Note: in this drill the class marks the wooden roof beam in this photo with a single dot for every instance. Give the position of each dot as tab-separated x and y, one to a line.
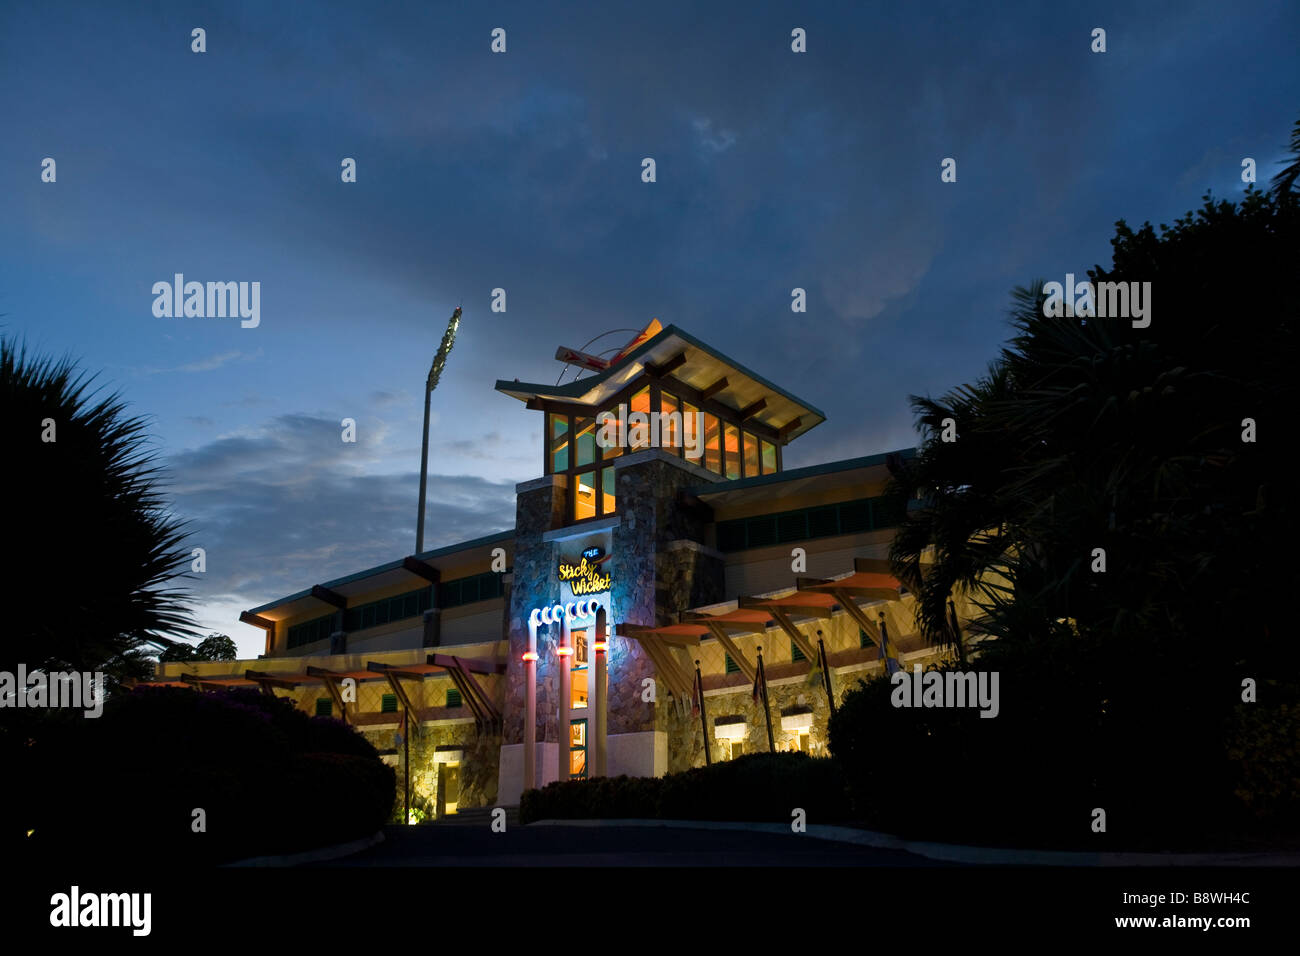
712	620
713	389
474	665
668	669
477	697
672	365
799	610
421	570
746	668
332	598
795	635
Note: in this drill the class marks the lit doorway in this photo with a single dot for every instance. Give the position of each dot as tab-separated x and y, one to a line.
448	788
578	672
578	749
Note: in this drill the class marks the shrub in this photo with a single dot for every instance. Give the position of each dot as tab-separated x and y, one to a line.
756	787
269	778
1079	728
1264	747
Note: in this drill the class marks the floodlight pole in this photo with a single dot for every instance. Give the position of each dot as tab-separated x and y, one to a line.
424	471
430	383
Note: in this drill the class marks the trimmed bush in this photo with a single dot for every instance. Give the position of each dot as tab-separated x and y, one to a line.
270	779
1264	747
1078	729
757	787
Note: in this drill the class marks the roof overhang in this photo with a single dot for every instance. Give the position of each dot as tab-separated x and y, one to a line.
438	562
702	367
812	480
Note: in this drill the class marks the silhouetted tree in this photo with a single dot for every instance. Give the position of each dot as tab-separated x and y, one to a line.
214	647
91	548
1167	448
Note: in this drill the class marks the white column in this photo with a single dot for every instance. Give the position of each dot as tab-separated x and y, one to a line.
597	696
530	707
565	662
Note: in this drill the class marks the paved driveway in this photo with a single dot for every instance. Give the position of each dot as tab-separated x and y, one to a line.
585	846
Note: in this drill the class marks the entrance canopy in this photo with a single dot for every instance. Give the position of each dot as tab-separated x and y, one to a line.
226	682
812	598
861	585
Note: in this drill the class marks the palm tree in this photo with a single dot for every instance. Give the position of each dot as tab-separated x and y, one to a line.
962	526
93	551
1285	180
1092	434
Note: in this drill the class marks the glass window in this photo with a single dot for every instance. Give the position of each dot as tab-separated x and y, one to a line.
751	455
578	683
712	444
578	748
584	495
670	423
640	403
584	434
733	451
692	432
608	500
558	432
769	458
612	431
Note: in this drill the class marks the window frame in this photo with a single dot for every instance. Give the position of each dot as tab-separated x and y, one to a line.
684	395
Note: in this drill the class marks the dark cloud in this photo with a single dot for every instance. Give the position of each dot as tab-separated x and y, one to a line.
523	171
292	506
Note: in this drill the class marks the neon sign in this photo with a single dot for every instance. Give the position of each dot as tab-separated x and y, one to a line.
586	577
560	613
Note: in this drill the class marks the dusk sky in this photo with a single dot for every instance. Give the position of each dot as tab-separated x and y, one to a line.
522	170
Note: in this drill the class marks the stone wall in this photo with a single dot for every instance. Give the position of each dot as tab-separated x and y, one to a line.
659	569
653	582
539	507
686	738
478	765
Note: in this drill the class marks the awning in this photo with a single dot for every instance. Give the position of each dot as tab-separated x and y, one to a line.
798	604
360	677
218	683
285	680
860	584
745	620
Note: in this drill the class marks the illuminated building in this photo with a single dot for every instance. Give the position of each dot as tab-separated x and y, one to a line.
580	627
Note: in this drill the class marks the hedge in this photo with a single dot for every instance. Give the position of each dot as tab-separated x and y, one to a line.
270	780
755	787
1076	733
